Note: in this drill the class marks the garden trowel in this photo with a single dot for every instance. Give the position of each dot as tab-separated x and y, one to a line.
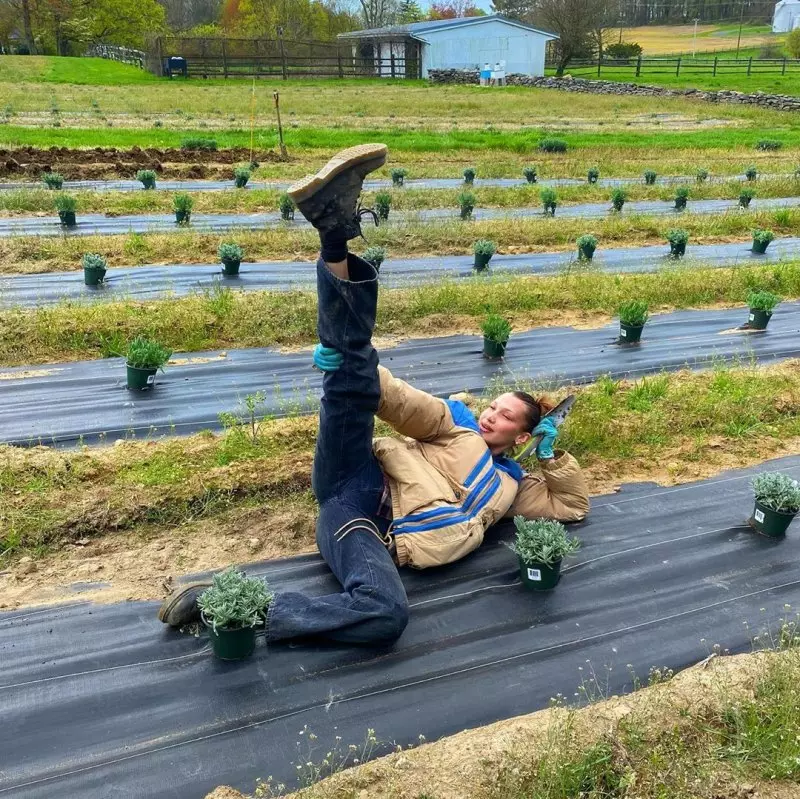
558	414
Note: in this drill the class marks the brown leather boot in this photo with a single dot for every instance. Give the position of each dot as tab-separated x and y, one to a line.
180	606
329	199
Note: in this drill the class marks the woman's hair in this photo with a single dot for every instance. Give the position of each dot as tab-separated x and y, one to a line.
534	408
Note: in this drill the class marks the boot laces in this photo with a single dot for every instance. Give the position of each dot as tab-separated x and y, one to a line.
361	212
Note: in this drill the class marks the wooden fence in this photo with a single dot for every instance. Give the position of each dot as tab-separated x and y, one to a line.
239	58
642	67
126	55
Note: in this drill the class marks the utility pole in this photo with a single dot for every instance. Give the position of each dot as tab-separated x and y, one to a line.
694	42
741	20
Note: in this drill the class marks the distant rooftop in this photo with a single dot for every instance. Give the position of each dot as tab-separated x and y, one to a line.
416	30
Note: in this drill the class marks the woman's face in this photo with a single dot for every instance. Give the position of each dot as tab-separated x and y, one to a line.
503	424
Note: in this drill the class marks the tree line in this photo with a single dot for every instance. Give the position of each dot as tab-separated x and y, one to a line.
68	27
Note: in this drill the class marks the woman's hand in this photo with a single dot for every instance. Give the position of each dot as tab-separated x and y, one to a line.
327	359
548	431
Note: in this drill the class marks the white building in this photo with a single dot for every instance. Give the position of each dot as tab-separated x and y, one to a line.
786	16
465	43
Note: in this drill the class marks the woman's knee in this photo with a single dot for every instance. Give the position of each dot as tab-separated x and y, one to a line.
389	618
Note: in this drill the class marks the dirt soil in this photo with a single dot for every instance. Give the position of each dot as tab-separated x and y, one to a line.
128	566
463	766
108	162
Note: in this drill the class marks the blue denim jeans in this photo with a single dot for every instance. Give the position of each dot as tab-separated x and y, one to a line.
347	481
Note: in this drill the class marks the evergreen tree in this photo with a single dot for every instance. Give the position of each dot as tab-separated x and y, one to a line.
409	11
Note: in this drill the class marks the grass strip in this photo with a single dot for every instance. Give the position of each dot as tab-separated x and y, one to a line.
222	318
111	203
31	254
779	125
670	427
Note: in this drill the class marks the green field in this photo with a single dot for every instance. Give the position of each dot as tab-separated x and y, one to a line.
116	105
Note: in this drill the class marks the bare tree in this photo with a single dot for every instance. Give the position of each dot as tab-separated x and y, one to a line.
378	13
574	21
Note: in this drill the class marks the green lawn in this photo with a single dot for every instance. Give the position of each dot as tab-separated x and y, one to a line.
80	71
419	141
698	73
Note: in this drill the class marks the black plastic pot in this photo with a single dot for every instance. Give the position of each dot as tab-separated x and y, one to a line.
182	217
93	277
680	205
67	218
482	261
398	181
531	178
630	334
678	249
140	379
758	320
228	643
149	184
241	182
493	349
772	523
466	213
760	246
539	576
230	267
586	252
550	210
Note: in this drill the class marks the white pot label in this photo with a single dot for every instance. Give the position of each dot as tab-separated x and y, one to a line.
623	332
535	575
752	317
151	379
759	515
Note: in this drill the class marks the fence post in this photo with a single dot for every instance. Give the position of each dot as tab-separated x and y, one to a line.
160	56
678	68
715	66
339	59
783	71
749	65
638	66
391	62
283	54
224	60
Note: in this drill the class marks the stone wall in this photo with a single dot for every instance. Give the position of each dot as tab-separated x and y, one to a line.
781	102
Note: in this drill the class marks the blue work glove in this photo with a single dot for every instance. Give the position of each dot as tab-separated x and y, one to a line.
548	431
327	359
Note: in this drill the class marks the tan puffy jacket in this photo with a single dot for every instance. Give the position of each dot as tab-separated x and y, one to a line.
446	490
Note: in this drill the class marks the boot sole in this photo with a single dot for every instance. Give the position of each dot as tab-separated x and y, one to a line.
361	153
166	608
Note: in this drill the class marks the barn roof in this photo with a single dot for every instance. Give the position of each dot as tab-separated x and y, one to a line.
417	30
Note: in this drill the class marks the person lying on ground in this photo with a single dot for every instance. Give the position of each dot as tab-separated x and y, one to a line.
422	500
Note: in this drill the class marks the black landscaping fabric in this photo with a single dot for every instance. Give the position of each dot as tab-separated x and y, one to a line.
87	401
149	282
97	224
164	184
103	700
